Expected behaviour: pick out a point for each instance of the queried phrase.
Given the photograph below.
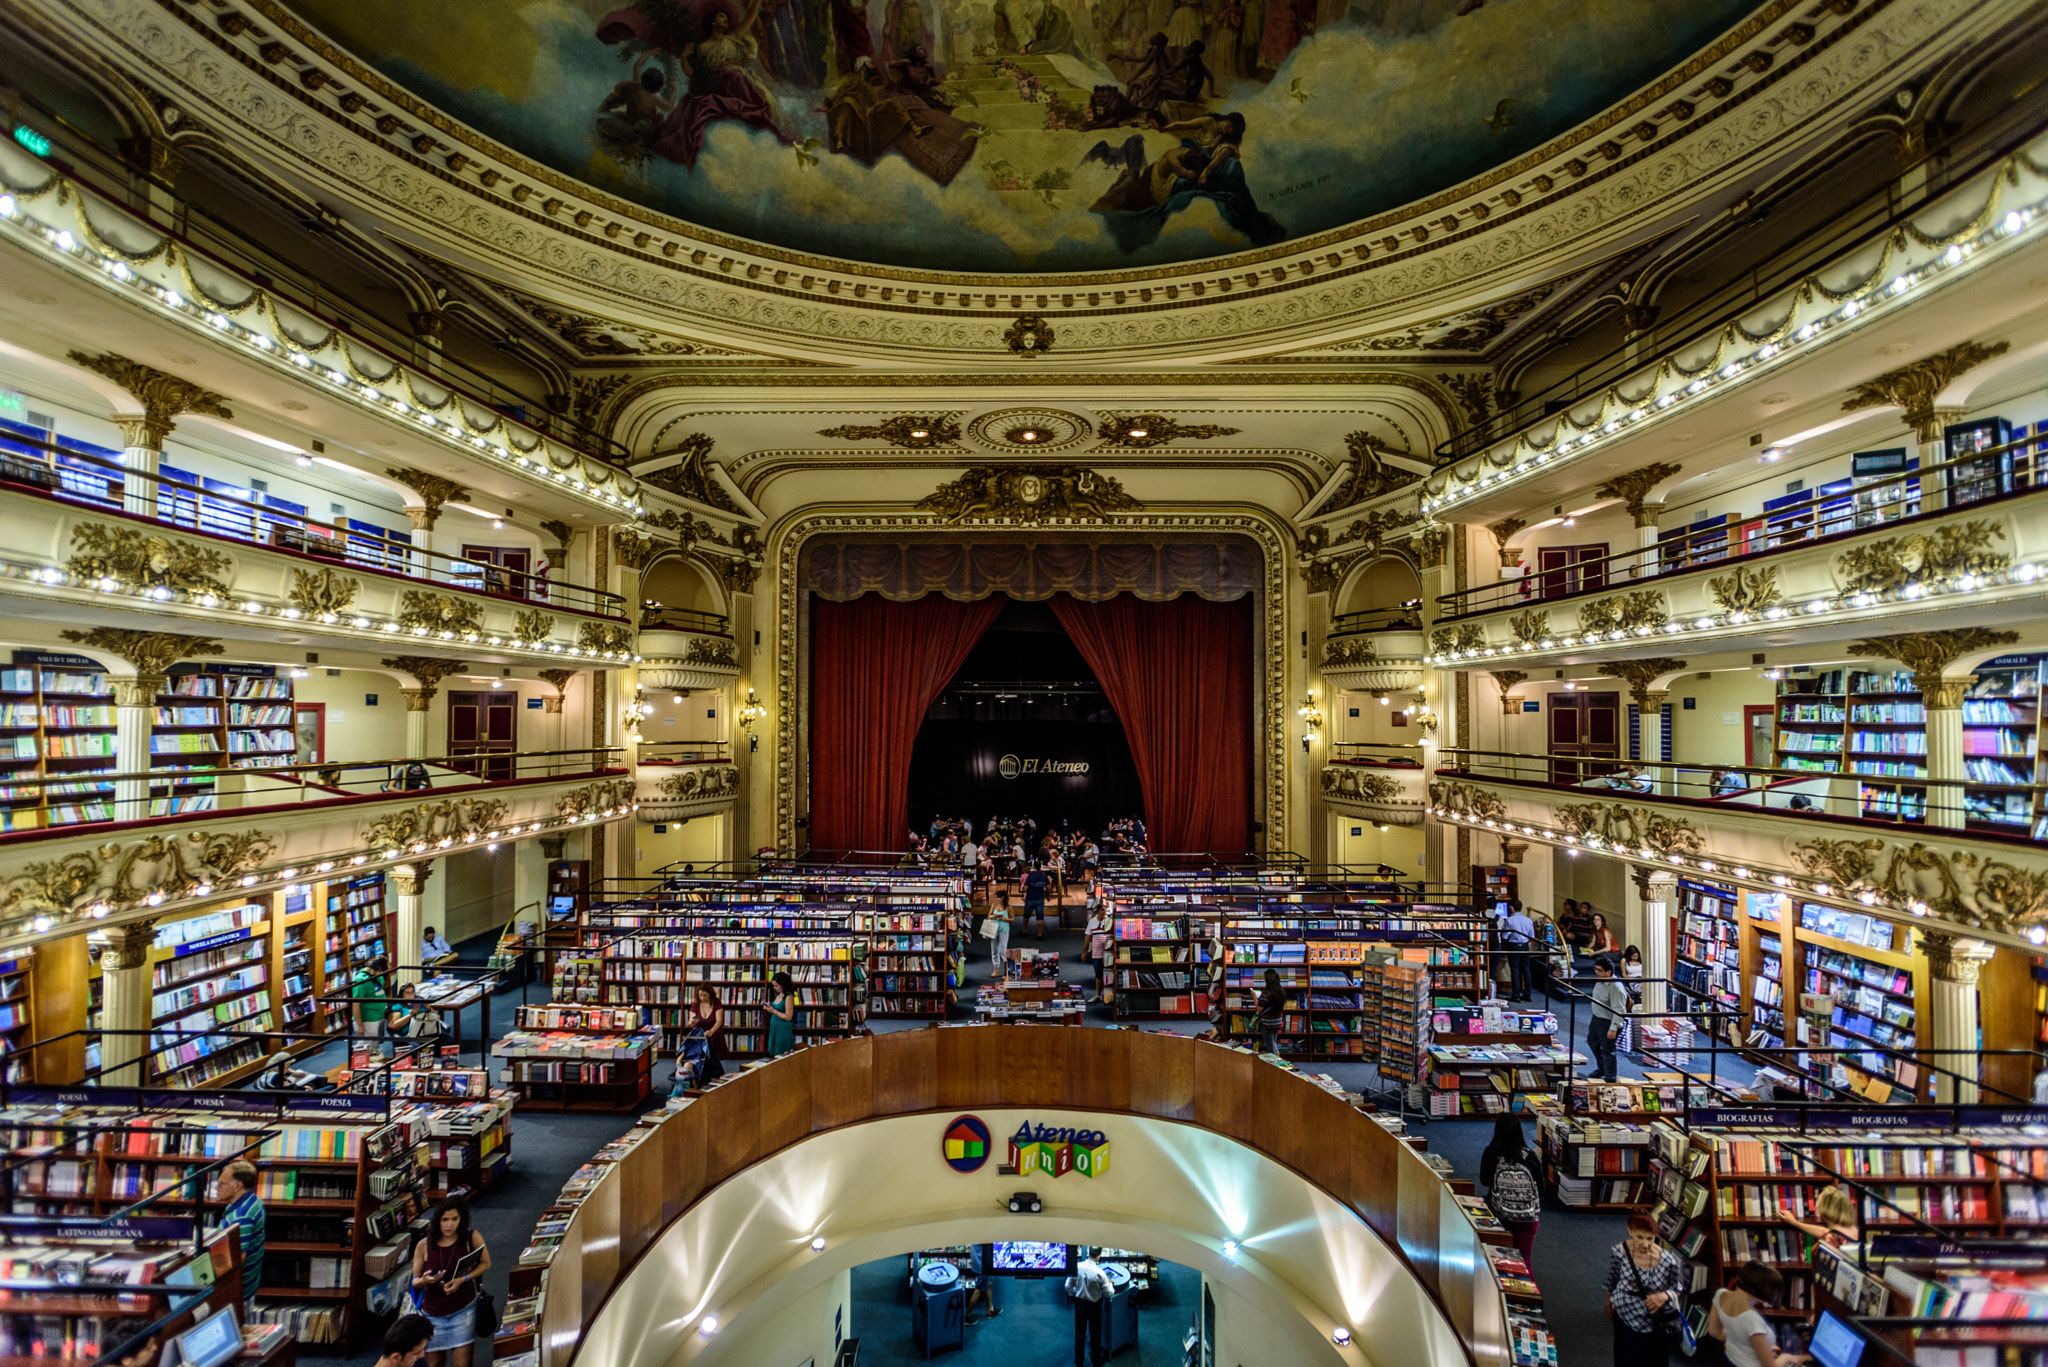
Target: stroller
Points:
(694, 1065)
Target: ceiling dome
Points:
(1023, 135)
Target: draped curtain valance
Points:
(1092, 571)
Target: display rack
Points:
(1877, 982)
(2001, 736)
(58, 725)
(208, 972)
(1158, 964)
(910, 973)
(1707, 963)
(579, 1068)
(17, 1015)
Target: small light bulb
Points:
(818, 1244)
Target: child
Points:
(1098, 948)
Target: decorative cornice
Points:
(119, 875)
(1928, 653)
(428, 669)
(163, 397)
(689, 477)
(1640, 674)
(1631, 829)
(151, 652)
(412, 828)
(1916, 386)
(1029, 493)
(433, 490)
(147, 560)
(1154, 429)
(1634, 488)
(914, 430)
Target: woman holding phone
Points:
(447, 1266)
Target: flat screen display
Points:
(212, 1341)
(1033, 1260)
(1835, 1344)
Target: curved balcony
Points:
(677, 780)
(1374, 652)
(263, 828)
(684, 650)
(1967, 534)
(1386, 794)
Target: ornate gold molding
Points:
(146, 560)
(1899, 562)
(1504, 531)
(699, 781)
(163, 397)
(433, 490)
(1509, 679)
(151, 652)
(690, 477)
(128, 945)
(1746, 590)
(1030, 335)
(1634, 488)
(604, 636)
(914, 430)
(428, 669)
(596, 797)
(1154, 429)
(1029, 494)
(1447, 639)
(1349, 652)
(1370, 476)
(123, 875)
(1915, 387)
(1530, 627)
(1640, 674)
(1625, 612)
(439, 612)
(322, 592)
(738, 576)
(531, 625)
(1929, 653)
(711, 650)
(1463, 798)
(631, 549)
(1630, 829)
(1956, 958)
(1361, 784)
(459, 817)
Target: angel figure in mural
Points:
(1205, 166)
(630, 118)
(714, 46)
(1036, 26)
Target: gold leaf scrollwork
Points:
(1447, 640)
(128, 556)
(1462, 799)
(532, 626)
(711, 650)
(1746, 590)
(699, 781)
(1630, 829)
(151, 652)
(608, 794)
(606, 637)
(1349, 652)
(439, 612)
(125, 876)
(1531, 627)
(322, 592)
(914, 431)
(1029, 493)
(1155, 429)
(1899, 562)
(429, 822)
(1630, 611)
(632, 549)
(1342, 781)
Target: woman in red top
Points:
(706, 1015)
(445, 1284)
(1603, 938)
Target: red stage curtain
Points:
(876, 665)
(1179, 675)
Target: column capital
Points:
(1956, 958)
(1943, 694)
(433, 490)
(150, 652)
(419, 699)
(1653, 699)
(163, 397)
(127, 945)
(1646, 875)
(1511, 851)
(410, 880)
(1915, 386)
(139, 691)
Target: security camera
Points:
(1025, 1201)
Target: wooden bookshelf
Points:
(17, 1015)
(1707, 952)
(1158, 964)
(579, 1067)
(58, 713)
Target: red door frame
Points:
(319, 711)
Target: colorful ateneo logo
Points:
(966, 1144)
(1039, 1149)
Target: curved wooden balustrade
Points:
(1167, 1077)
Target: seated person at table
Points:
(433, 947)
(1725, 781)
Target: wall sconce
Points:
(750, 712)
(1311, 720)
(634, 713)
(1425, 721)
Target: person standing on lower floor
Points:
(1098, 945)
(1272, 1005)
(999, 939)
(1036, 882)
(1610, 1006)
(1643, 1280)
(1089, 1286)
(781, 1015)
(1514, 1185)
(448, 1264)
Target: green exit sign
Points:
(32, 140)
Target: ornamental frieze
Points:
(123, 875)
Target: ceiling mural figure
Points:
(1024, 135)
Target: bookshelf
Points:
(2001, 736)
(210, 971)
(581, 1067)
(1595, 1164)
(1158, 965)
(59, 712)
(1707, 957)
(910, 974)
(1812, 712)
(358, 932)
(735, 952)
(1887, 743)
(1492, 883)
(1879, 985)
(66, 1326)
(17, 1015)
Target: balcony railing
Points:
(685, 752)
(1404, 618)
(2007, 811)
(33, 807)
(70, 475)
(1825, 516)
(657, 618)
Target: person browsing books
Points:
(1644, 1284)
(1610, 1007)
(447, 1265)
(781, 1015)
(405, 1342)
(1272, 1005)
(237, 1187)
(1514, 1191)
(1737, 1320)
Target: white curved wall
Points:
(873, 1190)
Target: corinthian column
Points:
(125, 1003)
(1943, 699)
(134, 719)
(163, 398)
(408, 891)
(1955, 961)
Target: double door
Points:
(1586, 735)
(484, 722)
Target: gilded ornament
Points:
(913, 430)
(1928, 653)
(1633, 489)
(1473, 393)
(1629, 611)
(533, 626)
(131, 557)
(562, 532)
(1503, 532)
(559, 678)
(631, 548)
(1530, 627)
(1153, 429)
(1462, 799)
(1915, 387)
(1349, 652)
(163, 397)
(699, 781)
(428, 669)
(322, 592)
(711, 650)
(1630, 828)
(429, 822)
(1368, 477)
(1323, 576)
(1449, 639)
(439, 612)
(1640, 675)
(596, 797)
(151, 652)
(123, 876)
(1029, 493)
(1029, 336)
(1508, 679)
(607, 637)
(433, 490)
(690, 477)
(739, 575)
(1746, 590)
(1352, 782)
(1899, 562)
(1430, 544)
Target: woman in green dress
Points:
(781, 1015)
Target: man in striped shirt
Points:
(245, 1209)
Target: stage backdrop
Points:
(1077, 772)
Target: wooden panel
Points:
(59, 981)
(906, 1070)
(2005, 1012)
(786, 1106)
(970, 1064)
(687, 1160)
(561, 1313)
(1162, 1075)
(732, 1126)
(843, 1083)
(600, 1243)
(1457, 1251)
(1223, 1090)
(1416, 1216)
(640, 1189)
(1098, 1068)
(1319, 1151)
(1034, 1075)
(1375, 1162)
(1276, 1118)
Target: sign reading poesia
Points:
(1010, 766)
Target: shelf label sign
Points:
(226, 937)
(966, 1144)
(1057, 1152)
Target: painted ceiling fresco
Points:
(1023, 135)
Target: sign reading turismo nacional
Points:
(1036, 1149)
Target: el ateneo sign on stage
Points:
(1015, 766)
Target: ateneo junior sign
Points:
(1035, 1149)
(1010, 766)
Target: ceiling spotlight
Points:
(920, 433)
(304, 462)
(497, 524)
(709, 1326)
(677, 700)
(1341, 1336)
(1230, 1248)
(1139, 432)
(818, 1244)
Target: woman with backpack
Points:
(1514, 1185)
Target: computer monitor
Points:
(212, 1341)
(1033, 1260)
(1835, 1344)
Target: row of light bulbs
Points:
(52, 576)
(1814, 607)
(285, 877)
(1876, 294)
(368, 395)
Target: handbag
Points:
(988, 926)
(1668, 1322)
(486, 1314)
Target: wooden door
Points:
(1584, 728)
(1565, 569)
(484, 722)
(504, 569)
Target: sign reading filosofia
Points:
(1012, 766)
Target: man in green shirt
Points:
(369, 990)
